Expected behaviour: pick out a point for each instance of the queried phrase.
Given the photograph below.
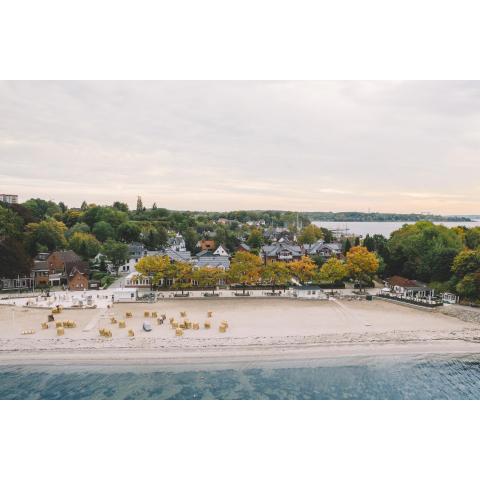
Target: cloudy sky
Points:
(383, 146)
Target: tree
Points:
(310, 234)
(41, 209)
(369, 243)
(123, 207)
(14, 260)
(245, 269)
(139, 204)
(469, 286)
(116, 252)
(182, 273)
(155, 267)
(128, 232)
(191, 238)
(11, 225)
(48, 233)
(103, 230)
(362, 265)
(77, 228)
(472, 237)
(154, 237)
(333, 271)
(276, 273)
(466, 262)
(208, 277)
(255, 239)
(423, 251)
(84, 206)
(304, 269)
(357, 241)
(347, 245)
(84, 244)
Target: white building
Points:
(125, 295)
(8, 198)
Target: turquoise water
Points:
(366, 378)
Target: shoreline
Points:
(229, 357)
(261, 330)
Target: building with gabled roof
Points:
(281, 252)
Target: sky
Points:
(225, 145)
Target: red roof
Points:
(398, 281)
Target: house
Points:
(309, 292)
(243, 248)
(137, 250)
(221, 251)
(217, 259)
(405, 287)
(281, 252)
(40, 270)
(177, 243)
(67, 268)
(325, 250)
(77, 279)
(124, 295)
(177, 255)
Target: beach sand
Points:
(258, 328)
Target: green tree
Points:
(84, 244)
(48, 233)
(41, 209)
(11, 225)
(139, 204)
(347, 245)
(466, 262)
(103, 230)
(469, 286)
(128, 232)
(310, 234)
(191, 238)
(116, 252)
(369, 243)
(123, 207)
(14, 259)
(255, 239)
(77, 228)
(423, 251)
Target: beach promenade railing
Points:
(422, 302)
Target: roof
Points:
(245, 246)
(274, 249)
(68, 256)
(321, 245)
(177, 256)
(398, 281)
(204, 253)
(218, 261)
(78, 266)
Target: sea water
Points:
(360, 378)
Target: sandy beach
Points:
(258, 328)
